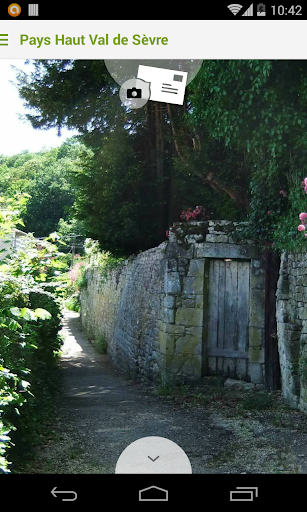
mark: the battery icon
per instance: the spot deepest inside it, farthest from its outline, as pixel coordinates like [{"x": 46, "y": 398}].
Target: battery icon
[{"x": 261, "y": 10}]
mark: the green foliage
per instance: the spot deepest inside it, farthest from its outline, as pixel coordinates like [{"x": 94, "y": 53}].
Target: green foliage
[
  {"x": 44, "y": 178},
  {"x": 286, "y": 235},
  {"x": 165, "y": 389},
  {"x": 268, "y": 207},
  {"x": 72, "y": 232},
  {"x": 81, "y": 281},
  {"x": 113, "y": 196},
  {"x": 105, "y": 261},
  {"x": 101, "y": 344},
  {"x": 73, "y": 303},
  {"x": 29, "y": 325},
  {"x": 141, "y": 169},
  {"x": 258, "y": 109},
  {"x": 229, "y": 148},
  {"x": 257, "y": 401}
]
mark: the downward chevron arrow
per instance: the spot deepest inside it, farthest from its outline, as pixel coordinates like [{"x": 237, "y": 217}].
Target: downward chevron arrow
[{"x": 153, "y": 460}]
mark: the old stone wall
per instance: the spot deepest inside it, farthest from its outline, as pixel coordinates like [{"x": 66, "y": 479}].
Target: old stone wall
[
  {"x": 291, "y": 315},
  {"x": 123, "y": 307},
  {"x": 152, "y": 309}
]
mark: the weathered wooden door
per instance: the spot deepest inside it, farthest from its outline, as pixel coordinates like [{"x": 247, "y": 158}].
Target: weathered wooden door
[{"x": 228, "y": 318}]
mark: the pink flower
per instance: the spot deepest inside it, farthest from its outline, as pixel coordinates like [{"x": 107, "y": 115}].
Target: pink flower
[
  {"x": 269, "y": 212},
  {"x": 301, "y": 227},
  {"x": 74, "y": 272},
  {"x": 283, "y": 193},
  {"x": 302, "y": 216}
]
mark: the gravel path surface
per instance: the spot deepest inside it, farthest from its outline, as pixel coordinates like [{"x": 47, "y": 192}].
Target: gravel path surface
[{"x": 100, "y": 414}]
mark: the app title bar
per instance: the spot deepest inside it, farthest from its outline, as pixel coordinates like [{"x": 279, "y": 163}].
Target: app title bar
[{"x": 151, "y": 39}]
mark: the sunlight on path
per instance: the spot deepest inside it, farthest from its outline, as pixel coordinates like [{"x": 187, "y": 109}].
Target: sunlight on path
[{"x": 71, "y": 347}]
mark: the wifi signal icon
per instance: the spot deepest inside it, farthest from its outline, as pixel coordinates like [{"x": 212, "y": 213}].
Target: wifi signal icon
[{"x": 235, "y": 8}]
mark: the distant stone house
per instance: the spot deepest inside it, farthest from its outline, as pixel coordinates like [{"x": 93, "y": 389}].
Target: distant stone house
[{"x": 11, "y": 242}]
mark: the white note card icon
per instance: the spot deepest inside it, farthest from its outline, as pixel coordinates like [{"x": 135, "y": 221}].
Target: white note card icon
[{"x": 166, "y": 85}]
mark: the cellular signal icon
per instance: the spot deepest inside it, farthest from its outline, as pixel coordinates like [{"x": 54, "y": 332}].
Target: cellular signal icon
[
  {"x": 249, "y": 11},
  {"x": 235, "y": 8}
]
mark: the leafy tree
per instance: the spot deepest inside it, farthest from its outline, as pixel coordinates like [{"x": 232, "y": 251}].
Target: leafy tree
[
  {"x": 44, "y": 177},
  {"x": 257, "y": 109},
  {"x": 240, "y": 131}
]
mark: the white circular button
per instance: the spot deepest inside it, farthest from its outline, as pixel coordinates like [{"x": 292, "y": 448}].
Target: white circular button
[{"x": 153, "y": 455}]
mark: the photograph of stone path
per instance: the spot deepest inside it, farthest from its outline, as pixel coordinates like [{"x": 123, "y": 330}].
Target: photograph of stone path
[{"x": 153, "y": 270}]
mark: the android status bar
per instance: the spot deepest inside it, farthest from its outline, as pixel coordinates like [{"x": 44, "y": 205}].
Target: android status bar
[{"x": 96, "y": 11}]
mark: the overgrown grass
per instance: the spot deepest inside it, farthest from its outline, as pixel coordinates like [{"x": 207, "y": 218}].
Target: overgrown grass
[
  {"x": 73, "y": 303},
  {"x": 257, "y": 401},
  {"x": 101, "y": 345}
]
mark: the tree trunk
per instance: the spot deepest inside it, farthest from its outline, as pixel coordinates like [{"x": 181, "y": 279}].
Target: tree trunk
[{"x": 160, "y": 174}]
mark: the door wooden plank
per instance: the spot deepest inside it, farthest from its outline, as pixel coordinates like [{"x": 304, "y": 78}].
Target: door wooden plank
[
  {"x": 213, "y": 304},
  {"x": 221, "y": 305},
  {"x": 231, "y": 294},
  {"x": 212, "y": 370},
  {"x": 241, "y": 370},
  {"x": 220, "y": 366},
  {"x": 229, "y": 367},
  {"x": 243, "y": 304}
]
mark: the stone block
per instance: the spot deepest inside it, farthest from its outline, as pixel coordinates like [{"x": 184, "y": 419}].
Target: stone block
[
  {"x": 199, "y": 301},
  {"x": 169, "y": 316},
  {"x": 256, "y": 354},
  {"x": 174, "y": 329},
  {"x": 222, "y": 250},
  {"x": 238, "y": 384},
  {"x": 188, "y": 303},
  {"x": 257, "y": 280},
  {"x": 197, "y": 332},
  {"x": 172, "y": 282},
  {"x": 188, "y": 344},
  {"x": 185, "y": 365},
  {"x": 193, "y": 285},
  {"x": 183, "y": 265},
  {"x": 166, "y": 343},
  {"x": 175, "y": 250},
  {"x": 255, "y": 373},
  {"x": 256, "y": 337},
  {"x": 178, "y": 302},
  {"x": 217, "y": 239},
  {"x": 221, "y": 226},
  {"x": 257, "y": 308},
  {"x": 189, "y": 317},
  {"x": 172, "y": 265},
  {"x": 191, "y": 239},
  {"x": 302, "y": 313},
  {"x": 196, "y": 268},
  {"x": 169, "y": 301}
]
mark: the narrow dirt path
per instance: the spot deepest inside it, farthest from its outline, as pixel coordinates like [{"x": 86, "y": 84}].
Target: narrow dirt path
[{"x": 100, "y": 414}]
